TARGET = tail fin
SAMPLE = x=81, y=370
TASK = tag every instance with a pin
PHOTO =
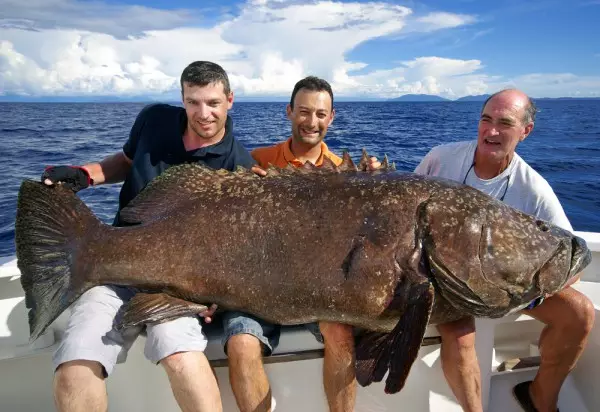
x=50, y=224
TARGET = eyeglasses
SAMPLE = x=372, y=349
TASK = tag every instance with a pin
x=507, y=181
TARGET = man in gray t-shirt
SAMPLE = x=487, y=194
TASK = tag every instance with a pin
x=491, y=165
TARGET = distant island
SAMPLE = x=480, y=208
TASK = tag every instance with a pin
x=476, y=98
x=419, y=98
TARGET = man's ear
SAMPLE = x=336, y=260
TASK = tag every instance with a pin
x=288, y=111
x=528, y=130
x=332, y=117
x=230, y=100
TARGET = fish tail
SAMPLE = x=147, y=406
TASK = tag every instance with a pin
x=50, y=223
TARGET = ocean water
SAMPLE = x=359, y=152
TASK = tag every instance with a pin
x=564, y=146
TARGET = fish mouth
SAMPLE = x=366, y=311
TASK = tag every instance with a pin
x=581, y=256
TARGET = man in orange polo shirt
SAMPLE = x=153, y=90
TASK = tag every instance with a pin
x=310, y=112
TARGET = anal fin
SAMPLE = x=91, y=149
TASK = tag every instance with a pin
x=156, y=308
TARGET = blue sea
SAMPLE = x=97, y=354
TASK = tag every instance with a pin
x=564, y=146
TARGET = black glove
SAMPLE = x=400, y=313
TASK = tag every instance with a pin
x=73, y=177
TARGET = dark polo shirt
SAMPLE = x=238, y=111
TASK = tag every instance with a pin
x=156, y=143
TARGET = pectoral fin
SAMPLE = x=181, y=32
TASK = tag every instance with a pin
x=156, y=308
x=377, y=352
x=408, y=336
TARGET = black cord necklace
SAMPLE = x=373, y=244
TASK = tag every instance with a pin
x=507, y=180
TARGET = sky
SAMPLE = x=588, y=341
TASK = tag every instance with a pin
x=365, y=49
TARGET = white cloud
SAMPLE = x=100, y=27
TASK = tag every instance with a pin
x=76, y=62
x=424, y=75
x=553, y=85
x=311, y=38
x=266, y=48
x=442, y=20
x=437, y=66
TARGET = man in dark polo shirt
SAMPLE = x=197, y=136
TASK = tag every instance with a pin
x=162, y=136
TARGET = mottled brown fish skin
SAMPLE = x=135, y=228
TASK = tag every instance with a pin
x=301, y=246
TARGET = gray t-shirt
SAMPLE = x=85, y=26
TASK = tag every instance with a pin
x=522, y=187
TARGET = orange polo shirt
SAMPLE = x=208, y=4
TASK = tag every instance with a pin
x=281, y=154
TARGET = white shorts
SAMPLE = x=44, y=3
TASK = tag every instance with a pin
x=90, y=334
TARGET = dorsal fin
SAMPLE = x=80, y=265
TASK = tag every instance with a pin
x=363, y=165
x=328, y=164
x=185, y=182
x=347, y=163
x=307, y=167
x=385, y=165
x=272, y=170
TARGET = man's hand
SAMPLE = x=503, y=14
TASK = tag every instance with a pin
x=73, y=177
x=208, y=313
x=259, y=171
x=373, y=164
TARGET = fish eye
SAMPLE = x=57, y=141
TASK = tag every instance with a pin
x=542, y=225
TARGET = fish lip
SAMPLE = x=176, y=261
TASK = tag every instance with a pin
x=581, y=256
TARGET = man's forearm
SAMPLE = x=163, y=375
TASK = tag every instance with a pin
x=112, y=169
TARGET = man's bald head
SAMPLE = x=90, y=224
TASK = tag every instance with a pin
x=516, y=97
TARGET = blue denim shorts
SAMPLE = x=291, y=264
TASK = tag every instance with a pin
x=535, y=303
x=236, y=323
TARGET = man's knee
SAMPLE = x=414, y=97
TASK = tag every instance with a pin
x=459, y=334
x=569, y=311
x=588, y=316
x=178, y=361
x=337, y=335
x=244, y=348
x=77, y=373
x=579, y=318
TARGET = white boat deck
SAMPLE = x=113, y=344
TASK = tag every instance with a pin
x=26, y=370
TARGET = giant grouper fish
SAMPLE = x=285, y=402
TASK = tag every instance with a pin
x=385, y=251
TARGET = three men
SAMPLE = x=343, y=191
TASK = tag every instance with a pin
x=164, y=135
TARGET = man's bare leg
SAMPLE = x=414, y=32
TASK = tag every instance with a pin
x=339, y=376
x=193, y=382
x=247, y=374
x=79, y=387
x=459, y=363
x=569, y=318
